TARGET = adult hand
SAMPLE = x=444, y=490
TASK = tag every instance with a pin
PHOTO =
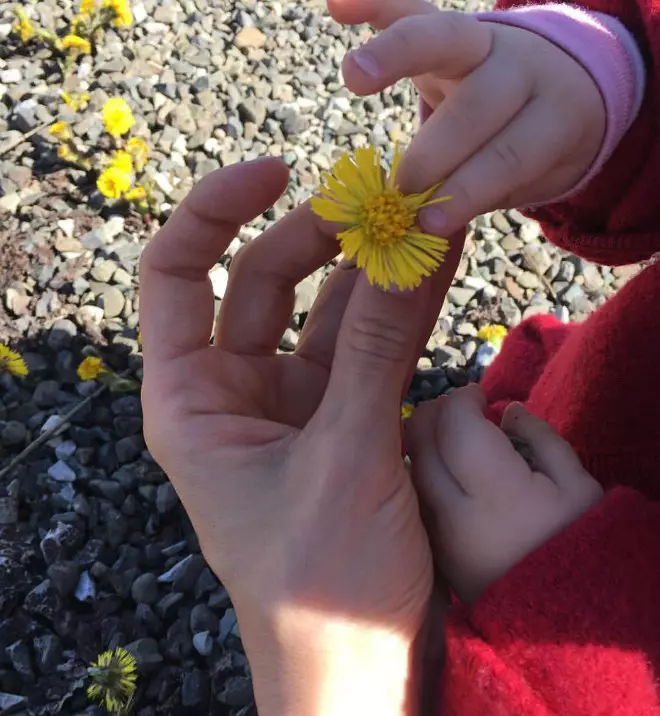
x=517, y=120
x=488, y=507
x=290, y=465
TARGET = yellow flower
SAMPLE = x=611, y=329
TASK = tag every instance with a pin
x=86, y=7
x=12, y=362
x=76, y=101
x=60, y=130
x=381, y=222
x=90, y=368
x=140, y=151
x=117, y=116
x=23, y=27
x=113, y=182
x=123, y=16
x=123, y=161
x=66, y=154
x=407, y=410
x=77, y=44
x=494, y=335
x=138, y=193
x=114, y=680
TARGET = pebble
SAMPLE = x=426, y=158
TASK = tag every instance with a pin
x=145, y=589
x=184, y=573
x=246, y=37
x=13, y=434
x=146, y=652
x=111, y=300
x=86, y=588
x=166, y=498
x=61, y=472
x=203, y=643
x=530, y=231
x=219, y=279
x=64, y=577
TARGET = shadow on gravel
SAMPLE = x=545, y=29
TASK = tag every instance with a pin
x=96, y=550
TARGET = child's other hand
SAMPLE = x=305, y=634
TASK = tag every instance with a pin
x=517, y=120
x=487, y=508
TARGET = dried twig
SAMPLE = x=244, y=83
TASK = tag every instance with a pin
x=23, y=138
x=51, y=431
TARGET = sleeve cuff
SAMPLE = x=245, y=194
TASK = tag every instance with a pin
x=606, y=50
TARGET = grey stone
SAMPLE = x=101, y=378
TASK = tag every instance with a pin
x=593, y=279
x=195, y=689
x=61, y=472
x=145, y=589
x=64, y=577
x=111, y=300
x=103, y=271
x=460, y=296
x=19, y=655
x=145, y=651
x=536, y=258
x=129, y=448
x=237, y=691
x=62, y=332
x=203, y=619
x=47, y=393
x=47, y=652
x=86, y=588
x=43, y=600
x=203, y=643
x=166, y=498
x=109, y=489
x=60, y=542
x=13, y=434
x=183, y=574
x=11, y=703
x=529, y=232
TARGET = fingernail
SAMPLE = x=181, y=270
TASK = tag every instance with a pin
x=433, y=219
x=366, y=63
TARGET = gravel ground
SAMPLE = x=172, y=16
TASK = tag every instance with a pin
x=95, y=549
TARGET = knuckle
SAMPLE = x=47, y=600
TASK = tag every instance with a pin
x=507, y=157
x=374, y=342
x=402, y=38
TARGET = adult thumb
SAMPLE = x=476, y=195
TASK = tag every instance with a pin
x=376, y=344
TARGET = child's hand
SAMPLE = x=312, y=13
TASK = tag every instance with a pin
x=487, y=507
x=517, y=120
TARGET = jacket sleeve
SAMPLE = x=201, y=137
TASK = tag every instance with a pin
x=614, y=219
x=573, y=629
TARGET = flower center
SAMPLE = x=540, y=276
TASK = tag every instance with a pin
x=386, y=218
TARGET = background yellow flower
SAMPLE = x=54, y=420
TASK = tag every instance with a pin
x=117, y=116
x=12, y=362
x=60, y=130
x=138, y=193
x=139, y=150
x=122, y=160
x=77, y=44
x=123, y=16
x=90, y=368
x=113, y=182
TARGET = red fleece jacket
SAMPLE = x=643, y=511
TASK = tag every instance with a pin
x=574, y=629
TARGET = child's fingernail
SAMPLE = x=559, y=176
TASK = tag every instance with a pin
x=366, y=63
x=433, y=219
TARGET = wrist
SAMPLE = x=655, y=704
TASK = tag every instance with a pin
x=306, y=663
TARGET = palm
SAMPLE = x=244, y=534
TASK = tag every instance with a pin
x=280, y=392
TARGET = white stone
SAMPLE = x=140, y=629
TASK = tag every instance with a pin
x=211, y=145
x=68, y=226
x=11, y=76
x=139, y=13
x=61, y=472
x=234, y=247
x=219, y=278
x=65, y=449
x=94, y=314
x=9, y=203
x=86, y=589
x=485, y=354
x=52, y=423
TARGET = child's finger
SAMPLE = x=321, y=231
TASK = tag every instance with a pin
x=553, y=456
x=487, y=179
x=449, y=44
x=435, y=484
x=467, y=120
x=477, y=453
